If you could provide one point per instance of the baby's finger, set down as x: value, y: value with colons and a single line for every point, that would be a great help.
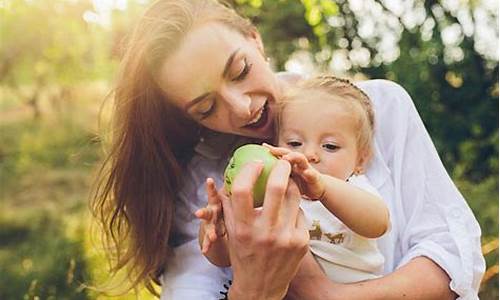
x: 297, y: 159
x: 276, y: 151
x: 310, y: 176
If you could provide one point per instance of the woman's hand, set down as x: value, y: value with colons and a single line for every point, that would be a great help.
x: 308, y: 179
x: 212, y: 224
x: 265, y: 245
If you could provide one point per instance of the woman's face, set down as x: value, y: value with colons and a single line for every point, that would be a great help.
x: 222, y: 80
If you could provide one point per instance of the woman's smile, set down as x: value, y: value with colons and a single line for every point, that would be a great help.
x: 262, y: 120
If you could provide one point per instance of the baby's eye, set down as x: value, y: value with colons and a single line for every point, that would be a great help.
x: 294, y: 144
x: 330, y: 147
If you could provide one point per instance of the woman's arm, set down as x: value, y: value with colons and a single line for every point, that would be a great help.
x: 361, y: 211
x: 421, y: 278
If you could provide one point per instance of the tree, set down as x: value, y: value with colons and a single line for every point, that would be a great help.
x: 453, y: 81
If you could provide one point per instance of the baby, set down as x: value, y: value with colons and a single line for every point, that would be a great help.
x: 325, y: 130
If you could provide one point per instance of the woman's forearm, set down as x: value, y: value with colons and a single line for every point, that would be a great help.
x: 421, y: 278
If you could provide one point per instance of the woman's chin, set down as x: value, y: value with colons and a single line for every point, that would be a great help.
x: 264, y: 133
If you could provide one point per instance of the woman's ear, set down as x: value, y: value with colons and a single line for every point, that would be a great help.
x: 256, y: 38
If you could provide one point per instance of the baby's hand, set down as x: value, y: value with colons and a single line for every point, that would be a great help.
x: 212, y: 225
x: 306, y: 176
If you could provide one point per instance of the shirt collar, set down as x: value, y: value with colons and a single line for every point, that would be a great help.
x: 216, y: 145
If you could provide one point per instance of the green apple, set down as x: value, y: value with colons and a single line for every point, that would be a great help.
x: 243, y: 155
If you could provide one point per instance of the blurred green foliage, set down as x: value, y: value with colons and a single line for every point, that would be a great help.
x: 453, y: 84
x: 58, y: 57
x: 44, y: 172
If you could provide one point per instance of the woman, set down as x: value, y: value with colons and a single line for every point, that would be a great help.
x: 193, y: 79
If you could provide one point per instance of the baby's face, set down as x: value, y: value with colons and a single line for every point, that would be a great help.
x: 325, y: 132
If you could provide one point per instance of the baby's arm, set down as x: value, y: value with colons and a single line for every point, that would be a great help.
x: 212, y: 234
x: 361, y: 211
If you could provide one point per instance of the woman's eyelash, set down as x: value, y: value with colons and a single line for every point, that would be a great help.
x: 244, y: 72
x: 208, y: 112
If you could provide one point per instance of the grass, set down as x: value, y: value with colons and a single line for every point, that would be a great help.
x: 44, y: 186
x: 46, y: 170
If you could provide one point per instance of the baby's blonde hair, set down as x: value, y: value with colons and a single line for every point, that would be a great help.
x: 342, y: 91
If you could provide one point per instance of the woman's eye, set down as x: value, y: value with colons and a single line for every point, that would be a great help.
x: 206, y: 113
x: 294, y: 144
x: 331, y: 147
x: 244, y: 71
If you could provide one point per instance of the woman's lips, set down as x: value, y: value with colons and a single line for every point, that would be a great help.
x: 263, y: 120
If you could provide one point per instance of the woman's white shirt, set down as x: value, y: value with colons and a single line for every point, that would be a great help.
x: 429, y: 216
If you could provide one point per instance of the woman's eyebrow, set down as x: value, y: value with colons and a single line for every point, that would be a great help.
x: 228, y: 64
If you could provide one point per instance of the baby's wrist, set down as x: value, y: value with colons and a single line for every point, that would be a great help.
x: 321, y: 183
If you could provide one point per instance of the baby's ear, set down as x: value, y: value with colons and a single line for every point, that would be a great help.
x: 364, y: 157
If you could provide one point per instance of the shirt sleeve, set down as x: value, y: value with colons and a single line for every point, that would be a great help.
x: 190, y: 276
x: 362, y: 182
x: 438, y: 222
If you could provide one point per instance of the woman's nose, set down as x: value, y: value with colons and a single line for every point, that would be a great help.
x: 239, y: 104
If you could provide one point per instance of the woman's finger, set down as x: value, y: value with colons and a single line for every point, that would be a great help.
x: 212, y: 235
x: 227, y: 210
x: 301, y: 222
x: 204, y: 213
x: 206, y: 245
x: 211, y: 191
x: 277, y: 184
x: 242, y: 192
x: 291, y: 205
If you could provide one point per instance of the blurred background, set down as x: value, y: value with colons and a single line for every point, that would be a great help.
x: 57, y: 63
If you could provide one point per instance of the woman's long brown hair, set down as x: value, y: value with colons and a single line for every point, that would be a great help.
x: 151, y: 142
